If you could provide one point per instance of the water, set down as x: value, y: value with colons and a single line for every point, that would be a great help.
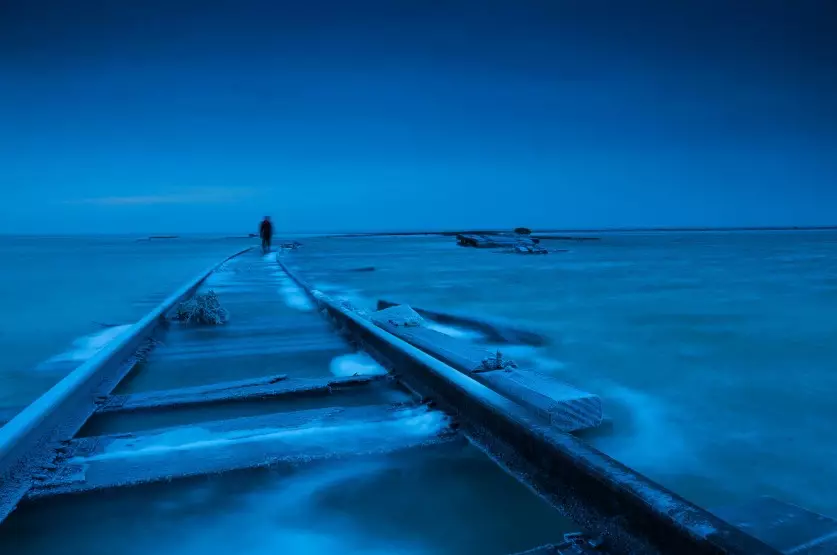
x: 445, y: 500
x: 55, y: 294
x: 713, y: 352
x: 439, y: 498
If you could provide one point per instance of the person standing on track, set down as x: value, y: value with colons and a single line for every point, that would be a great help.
x: 266, y: 233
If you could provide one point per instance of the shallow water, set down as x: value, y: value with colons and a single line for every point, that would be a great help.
x: 436, y: 499
x: 447, y: 499
x: 713, y: 352
x: 57, y: 293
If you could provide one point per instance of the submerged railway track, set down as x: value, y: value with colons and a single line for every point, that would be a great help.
x: 297, y: 377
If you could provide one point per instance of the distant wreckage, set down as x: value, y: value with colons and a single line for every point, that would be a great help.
x: 516, y: 243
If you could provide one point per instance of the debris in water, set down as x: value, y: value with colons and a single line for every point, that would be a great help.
x: 497, y: 362
x: 494, y: 240
x: 88, y: 346
x: 346, y: 304
x: 356, y: 364
x: 290, y: 246
x: 453, y: 331
x: 202, y: 309
x: 525, y: 248
x: 399, y: 315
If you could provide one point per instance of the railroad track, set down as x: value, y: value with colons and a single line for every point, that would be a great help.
x: 295, y: 378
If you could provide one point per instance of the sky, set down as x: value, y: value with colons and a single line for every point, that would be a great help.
x: 120, y: 116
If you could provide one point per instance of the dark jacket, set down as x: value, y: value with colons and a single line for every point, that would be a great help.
x: 266, y: 229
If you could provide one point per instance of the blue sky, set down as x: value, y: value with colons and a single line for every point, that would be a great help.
x: 344, y: 116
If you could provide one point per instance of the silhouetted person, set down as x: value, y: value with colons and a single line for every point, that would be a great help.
x: 266, y: 233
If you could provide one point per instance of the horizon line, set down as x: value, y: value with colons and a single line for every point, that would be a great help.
x: 245, y: 235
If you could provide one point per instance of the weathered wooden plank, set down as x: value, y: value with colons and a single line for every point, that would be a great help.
x: 269, y: 386
x: 249, y: 327
x: 223, y: 446
x: 216, y: 350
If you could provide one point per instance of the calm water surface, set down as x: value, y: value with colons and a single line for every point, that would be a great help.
x: 56, y: 291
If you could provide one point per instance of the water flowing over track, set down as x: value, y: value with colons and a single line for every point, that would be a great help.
x: 295, y: 378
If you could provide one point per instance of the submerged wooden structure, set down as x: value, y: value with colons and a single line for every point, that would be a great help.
x: 117, y: 419
x: 493, y: 241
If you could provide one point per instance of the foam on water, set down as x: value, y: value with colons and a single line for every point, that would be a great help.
x: 438, y: 501
x: 292, y: 294
x: 356, y: 364
x: 287, y: 517
x: 267, y: 517
x: 528, y: 355
x: 296, y: 298
x: 349, y: 294
x: 86, y: 347
x: 645, y: 436
x: 301, y: 495
x: 686, y: 394
x: 452, y: 331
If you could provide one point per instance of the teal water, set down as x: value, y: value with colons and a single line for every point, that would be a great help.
x: 714, y: 352
x: 56, y: 291
x: 447, y: 498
